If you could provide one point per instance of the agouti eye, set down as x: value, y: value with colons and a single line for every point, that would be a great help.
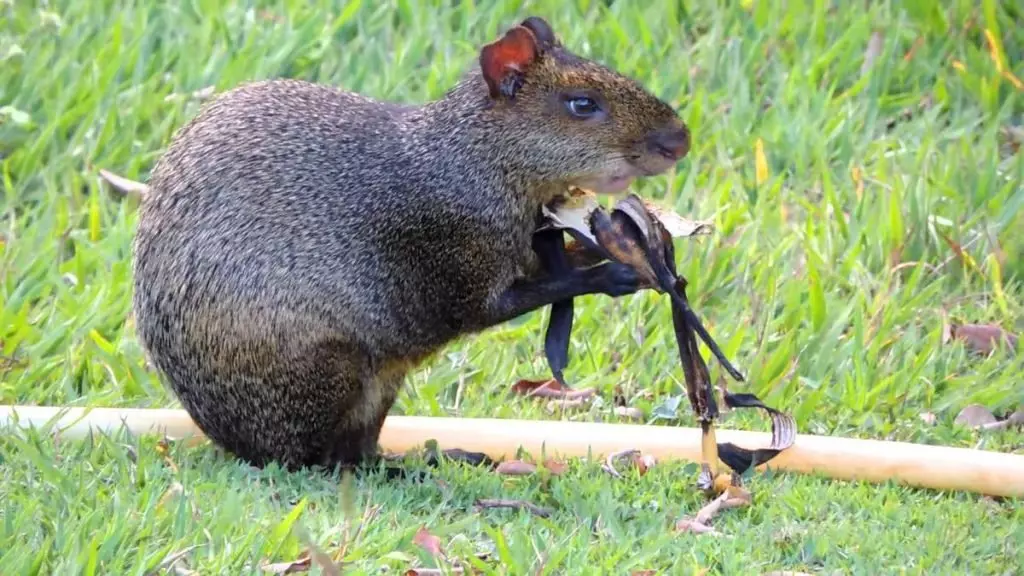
x: 582, y: 106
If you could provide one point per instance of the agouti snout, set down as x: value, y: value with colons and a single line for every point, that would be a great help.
x: 303, y: 247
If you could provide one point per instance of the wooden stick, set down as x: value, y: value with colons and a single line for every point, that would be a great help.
x: 926, y: 466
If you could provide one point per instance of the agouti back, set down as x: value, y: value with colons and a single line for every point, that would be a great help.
x: 302, y: 247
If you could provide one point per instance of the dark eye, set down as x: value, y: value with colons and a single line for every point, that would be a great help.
x: 582, y: 106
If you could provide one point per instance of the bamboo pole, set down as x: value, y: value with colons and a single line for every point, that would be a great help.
x: 920, y: 465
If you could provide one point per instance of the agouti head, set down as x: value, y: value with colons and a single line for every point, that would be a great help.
x: 574, y: 120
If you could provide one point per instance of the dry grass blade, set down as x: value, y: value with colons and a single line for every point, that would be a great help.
x: 124, y: 186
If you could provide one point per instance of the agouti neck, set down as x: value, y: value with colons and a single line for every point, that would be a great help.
x: 460, y: 128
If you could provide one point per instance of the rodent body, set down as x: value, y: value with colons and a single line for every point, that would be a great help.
x: 303, y: 247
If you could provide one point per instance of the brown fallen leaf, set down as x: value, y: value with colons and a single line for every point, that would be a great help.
x: 644, y: 463
x: 526, y: 386
x: 550, y: 389
x: 975, y: 415
x: 982, y: 338
x: 515, y: 468
x: 555, y: 467
x: 300, y: 564
x: 428, y: 542
x: 487, y: 503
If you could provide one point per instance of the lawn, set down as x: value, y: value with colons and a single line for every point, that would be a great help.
x: 861, y: 163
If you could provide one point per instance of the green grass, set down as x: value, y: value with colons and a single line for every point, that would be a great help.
x: 828, y: 283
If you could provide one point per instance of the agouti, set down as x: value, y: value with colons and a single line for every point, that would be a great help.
x: 301, y: 247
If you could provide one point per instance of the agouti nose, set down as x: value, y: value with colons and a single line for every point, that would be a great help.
x: 672, y: 144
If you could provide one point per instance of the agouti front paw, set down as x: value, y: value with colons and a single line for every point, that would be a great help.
x: 616, y: 279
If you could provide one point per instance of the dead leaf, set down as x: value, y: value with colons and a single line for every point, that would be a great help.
x: 526, y: 386
x: 428, y: 542
x: 975, y: 415
x: 515, y: 468
x: 928, y: 418
x: 555, y: 467
x: 644, y: 463
x: 301, y: 564
x: 550, y: 389
x: 982, y: 338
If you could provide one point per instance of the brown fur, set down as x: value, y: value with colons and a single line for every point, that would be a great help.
x: 303, y: 247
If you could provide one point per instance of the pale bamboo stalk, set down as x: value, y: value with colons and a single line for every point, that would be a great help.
x: 925, y: 466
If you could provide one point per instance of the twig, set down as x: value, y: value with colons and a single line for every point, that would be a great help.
x: 485, y: 504
x: 699, y: 524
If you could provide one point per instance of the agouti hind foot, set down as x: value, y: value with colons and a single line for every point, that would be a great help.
x: 395, y: 468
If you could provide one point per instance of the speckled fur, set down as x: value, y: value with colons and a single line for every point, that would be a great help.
x: 303, y: 247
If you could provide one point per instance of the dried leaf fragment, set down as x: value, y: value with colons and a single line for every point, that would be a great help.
x: 515, y: 468
x: 428, y: 542
x: 555, y: 467
x: 550, y: 388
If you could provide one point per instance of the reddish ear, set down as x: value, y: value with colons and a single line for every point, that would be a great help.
x: 504, y: 60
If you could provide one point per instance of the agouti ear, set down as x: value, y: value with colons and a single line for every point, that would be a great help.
x: 504, y: 61
x: 542, y: 31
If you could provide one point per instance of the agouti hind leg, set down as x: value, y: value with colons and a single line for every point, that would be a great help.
x: 365, y: 451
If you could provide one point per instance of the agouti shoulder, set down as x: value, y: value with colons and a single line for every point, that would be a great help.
x: 302, y: 247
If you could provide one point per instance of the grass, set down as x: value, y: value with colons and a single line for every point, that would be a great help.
x: 832, y: 185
